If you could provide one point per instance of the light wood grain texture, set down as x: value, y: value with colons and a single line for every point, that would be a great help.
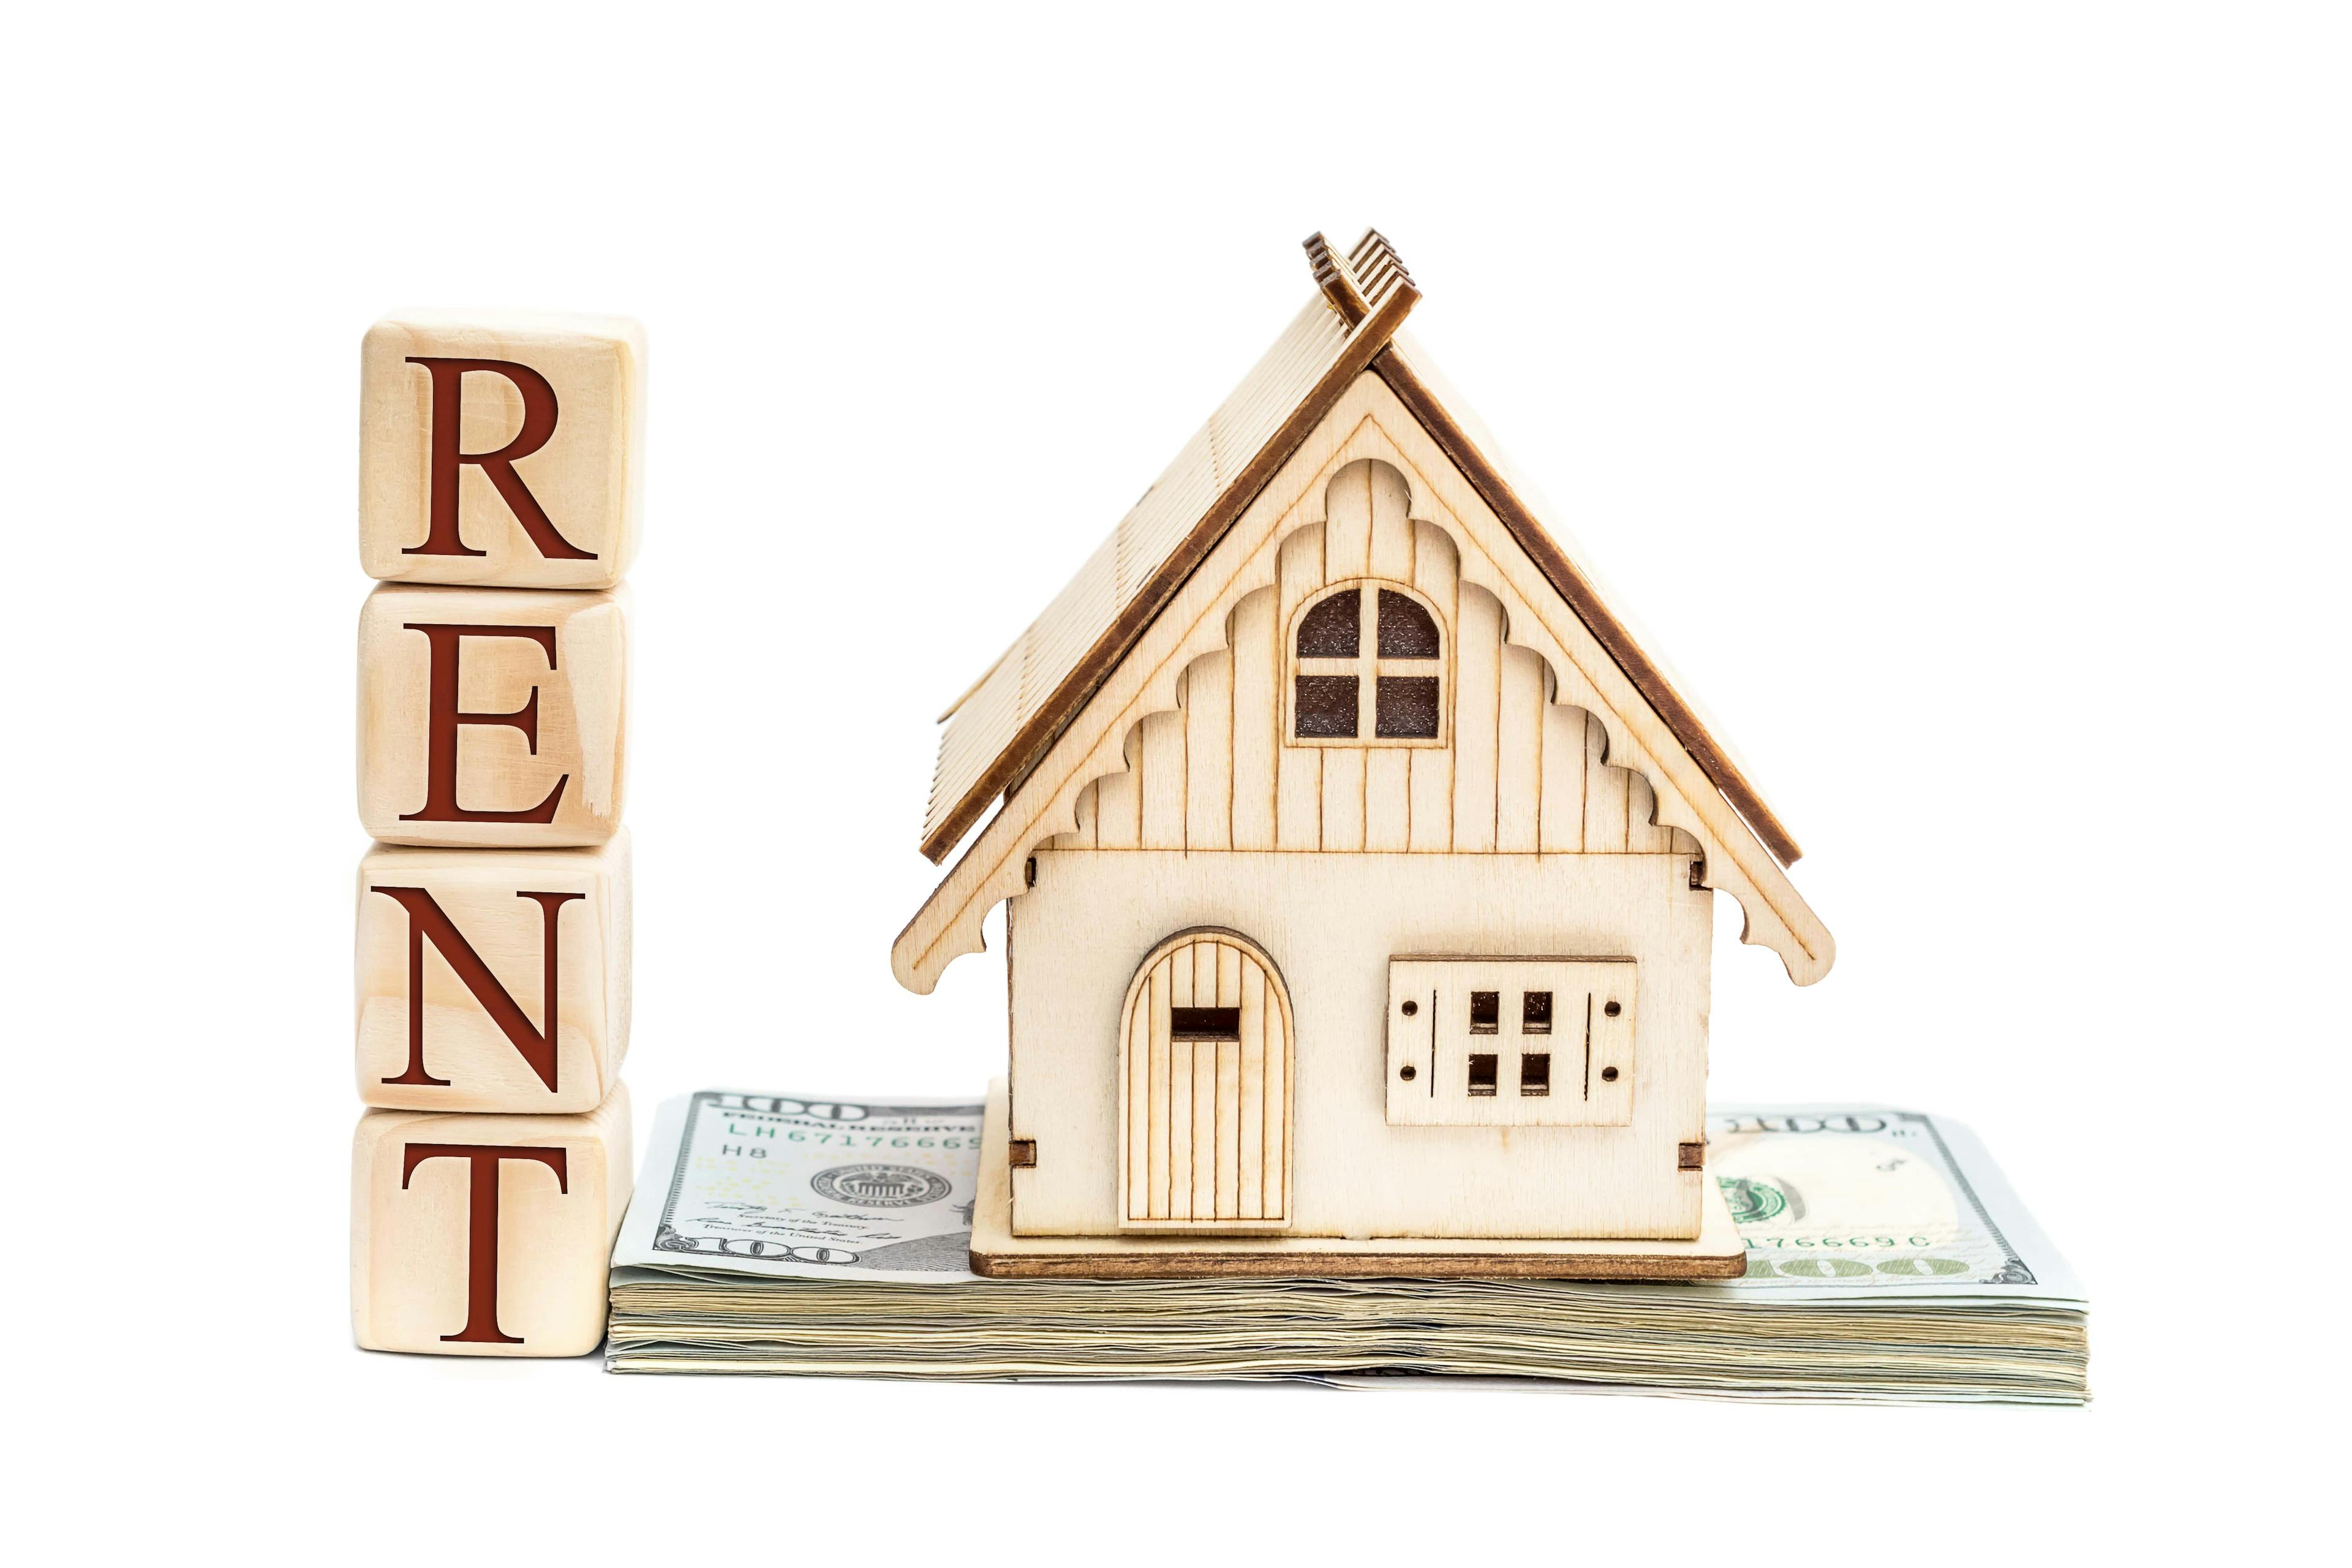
x: 1477, y: 711
x: 1519, y: 752
x: 1348, y: 502
x: 1714, y: 1252
x: 1298, y: 795
x: 486, y: 1234
x: 1216, y: 1165
x: 1436, y: 579
x: 1119, y: 813
x: 1209, y: 753
x: 565, y: 395
x: 458, y: 983
x: 1607, y: 791
x: 1251, y: 1113
x: 1257, y: 718
x: 1262, y: 550
x: 492, y: 718
x: 1142, y: 1157
x: 1164, y: 782
x: 1161, y: 1151
x: 1560, y: 819
x: 1527, y: 756
x: 1328, y: 925
x: 1341, y: 824
x: 1179, y: 1205
x: 1570, y: 1066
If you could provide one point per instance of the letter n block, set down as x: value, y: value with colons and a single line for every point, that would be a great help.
x: 500, y: 449
x: 493, y: 980
x: 486, y: 1234
x: 492, y: 718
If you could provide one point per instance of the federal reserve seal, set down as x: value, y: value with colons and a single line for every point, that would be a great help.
x: 879, y: 1186
x: 1753, y: 1202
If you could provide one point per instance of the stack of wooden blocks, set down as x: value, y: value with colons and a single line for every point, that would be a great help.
x: 500, y: 459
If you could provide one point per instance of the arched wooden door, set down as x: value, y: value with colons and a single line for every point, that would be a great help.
x: 1204, y: 1057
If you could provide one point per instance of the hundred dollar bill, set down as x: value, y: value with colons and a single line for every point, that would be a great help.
x: 807, y: 1235
x: 1835, y: 1202
x: 1842, y: 1200
x: 807, y: 1186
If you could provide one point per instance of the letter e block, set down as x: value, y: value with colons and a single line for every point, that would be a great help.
x: 492, y: 718
x: 500, y: 449
x: 493, y: 980
x: 486, y: 1234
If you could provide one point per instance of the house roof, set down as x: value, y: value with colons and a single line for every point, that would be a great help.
x: 998, y: 730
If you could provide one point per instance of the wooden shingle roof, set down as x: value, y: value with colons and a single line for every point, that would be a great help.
x: 999, y: 730
x: 1004, y: 725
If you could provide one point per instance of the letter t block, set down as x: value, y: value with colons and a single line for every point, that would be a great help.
x: 492, y: 719
x: 486, y: 1234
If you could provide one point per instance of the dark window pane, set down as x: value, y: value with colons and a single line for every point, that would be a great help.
x: 1405, y: 706
x: 1535, y: 1073
x: 1535, y: 1013
x: 1204, y: 1023
x: 1330, y: 630
x: 1486, y: 1011
x: 1327, y: 705
x: 1406, y: 629
x: 1482, y: 1073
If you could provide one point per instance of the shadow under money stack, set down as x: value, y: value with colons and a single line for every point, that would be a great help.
x: 1886, y: 1261
x: 499, y: 464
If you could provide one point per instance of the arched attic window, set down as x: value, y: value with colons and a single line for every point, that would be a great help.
x: 1350, y: 690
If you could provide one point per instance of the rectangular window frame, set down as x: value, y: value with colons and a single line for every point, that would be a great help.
x: 1434, y: 1030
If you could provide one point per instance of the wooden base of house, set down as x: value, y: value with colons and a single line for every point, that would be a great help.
x: 1716, y: 1254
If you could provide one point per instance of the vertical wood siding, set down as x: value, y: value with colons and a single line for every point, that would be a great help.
x: 1518, y: 774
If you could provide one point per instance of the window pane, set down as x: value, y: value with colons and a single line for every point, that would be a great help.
x: 1405, y: 706
x: 1535, y: 1074
x: 1535, y: 1013
x: 1482, y: 1073
x: 1331, y: 629
x: 1406, y: 629
x: 1326, y: 705
x: 1486, y: 1011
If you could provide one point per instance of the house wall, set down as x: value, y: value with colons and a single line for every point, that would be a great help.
x: 1520, y: 775
x: 1510, y: 835
x: 1330, y: 923
x: 1101, y: 741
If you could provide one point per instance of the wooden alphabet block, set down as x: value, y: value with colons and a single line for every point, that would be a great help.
x: 492, y: 718
x: 486, y: 1234
x: 501, y: 450
x: 493, y: 980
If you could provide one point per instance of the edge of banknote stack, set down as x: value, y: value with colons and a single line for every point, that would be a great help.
x: 814, y: 1235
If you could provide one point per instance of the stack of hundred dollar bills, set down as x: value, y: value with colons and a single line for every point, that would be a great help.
x: 1887, y: 1260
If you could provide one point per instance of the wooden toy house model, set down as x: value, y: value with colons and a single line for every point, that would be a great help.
x: 1358, y: 863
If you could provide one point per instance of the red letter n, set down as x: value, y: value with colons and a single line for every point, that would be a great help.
x: 441, y: 535
x: 427, y: 918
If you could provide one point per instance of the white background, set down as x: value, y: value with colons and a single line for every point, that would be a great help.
x: 1956, y: 394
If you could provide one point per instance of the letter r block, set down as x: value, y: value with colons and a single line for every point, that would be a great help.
x: 486, y: 1234
x: 500, y: 449
x: 492, y: 718
x: 493, y: 980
